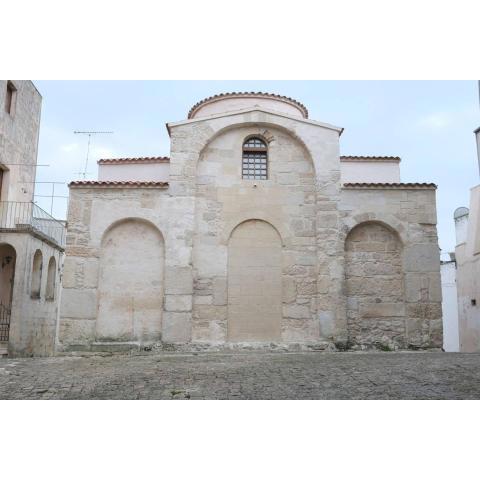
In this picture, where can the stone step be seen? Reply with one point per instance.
(3, 349)
(114, 346)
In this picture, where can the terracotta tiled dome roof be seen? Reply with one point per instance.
(299, 105)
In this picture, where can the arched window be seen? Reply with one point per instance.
(51, 278)
(254, 159)
(36, 274)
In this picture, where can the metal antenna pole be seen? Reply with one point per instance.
(86, 160)
(84, 173)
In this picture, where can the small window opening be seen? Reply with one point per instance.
(473, 301)
(10, 98)
(254, 159)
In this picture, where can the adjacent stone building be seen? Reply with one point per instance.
(254, 231)
(30, 239)
(467, 258)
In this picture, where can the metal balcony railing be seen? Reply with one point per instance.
(21, 216)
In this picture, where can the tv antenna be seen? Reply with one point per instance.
(84, 173)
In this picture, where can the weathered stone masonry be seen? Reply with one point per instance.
(392, 265)
(31, 241)
(208, 258)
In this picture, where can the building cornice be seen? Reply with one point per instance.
(170, 125)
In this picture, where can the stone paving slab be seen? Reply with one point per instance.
(252, 375)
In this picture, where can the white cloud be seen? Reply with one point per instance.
(70, 147)
(435, 121)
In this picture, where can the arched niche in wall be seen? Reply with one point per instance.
(131, 282)
(51, 279)
(37, 267)
(254, 283)
(375, 286)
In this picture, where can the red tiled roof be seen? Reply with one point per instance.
(248, 94)
(361, 158)
(391, 185)
(109, 183)
(107, 161)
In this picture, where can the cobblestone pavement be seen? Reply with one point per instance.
(252, 375)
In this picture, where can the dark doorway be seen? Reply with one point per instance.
(7, 278)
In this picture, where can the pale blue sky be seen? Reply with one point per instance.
(429, 124)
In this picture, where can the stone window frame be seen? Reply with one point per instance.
(254, 157)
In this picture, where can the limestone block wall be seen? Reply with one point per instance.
(130, 290)
(321, 144)
(285, 205)
(128, 274)
(205, 202)
(34, 318)
(254, 283)
(393, 233)
(19, 141)
(214, 258)
(374, 286)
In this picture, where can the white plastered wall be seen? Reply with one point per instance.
(234, 104)
(467, 254)
(449, 307)
(370, 172)
(125, 172)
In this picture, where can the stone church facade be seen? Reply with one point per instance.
(255, 231)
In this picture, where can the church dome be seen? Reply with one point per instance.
(229, 102)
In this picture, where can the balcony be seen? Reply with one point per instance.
(29, 217)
